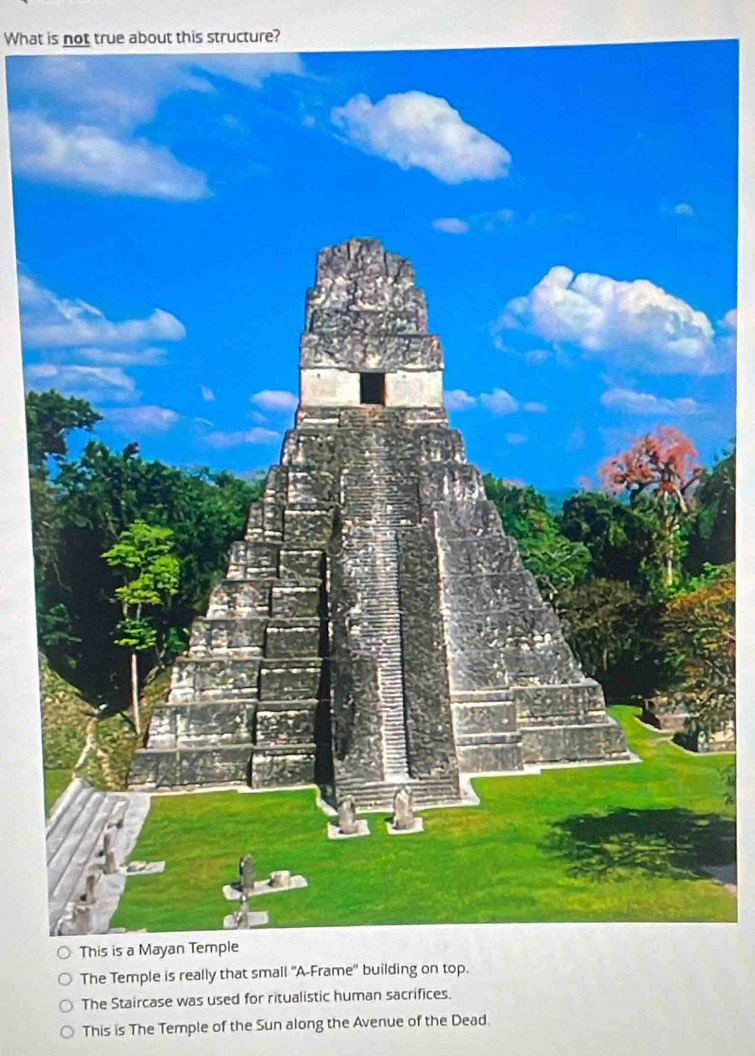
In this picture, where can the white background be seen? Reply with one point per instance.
(624, 989)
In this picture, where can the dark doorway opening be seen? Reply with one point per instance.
(372, 388)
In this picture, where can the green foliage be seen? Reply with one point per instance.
(699, 636)
(556, 561)
(93, 500)
(710, 532)
(621, 539)
(144, 555)
(50, 417)
(54, 628)
(613, 629)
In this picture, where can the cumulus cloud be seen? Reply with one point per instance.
(207, 394)
(275, 400)
(534, 408)
(147, 418)
(74, 121)
(416, 130)
(451, 225)
(635, 323)
(92, 158)
(516, 438)
(499, 402)
(49, 321)
(646, 404)
(257, 435)
(458, 400)
(90, 383)
(683, 209)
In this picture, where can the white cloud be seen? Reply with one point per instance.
(207, 394)
(416, 130)
(646, 404)
(683, 209)
(90, 383)
(499, 402)
(516, 438)
(534, 408)
(275, 400)
(88, 157)
(489, 221)
(250, 70)
(458, 400)
(536, 356)
(130, 357)
(634, 323)
(145, 419)
(49, 321)
(451, 225)
(729, 321)
(126, 91)
(242, 436)
(79, 117)
(500, 216)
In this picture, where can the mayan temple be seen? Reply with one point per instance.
(376, 627)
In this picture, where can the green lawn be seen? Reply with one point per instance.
(56, 780)
(611, 843)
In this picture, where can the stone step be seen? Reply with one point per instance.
(378, 796)
(65, 811)
(68, 837)
(78, 855)
(123, 814)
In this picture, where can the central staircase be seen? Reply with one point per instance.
(379, 497)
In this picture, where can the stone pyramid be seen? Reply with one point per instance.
(376, 626)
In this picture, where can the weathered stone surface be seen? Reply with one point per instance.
(403, 809)
(246, 874)
(347, 816)
(377, 629)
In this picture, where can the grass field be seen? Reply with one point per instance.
(630, 842)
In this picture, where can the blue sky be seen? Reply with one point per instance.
(571, 213)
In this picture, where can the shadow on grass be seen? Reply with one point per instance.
(675, 843)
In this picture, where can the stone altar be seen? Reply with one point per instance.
(376, 628)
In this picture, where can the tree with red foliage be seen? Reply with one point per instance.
(663, 465)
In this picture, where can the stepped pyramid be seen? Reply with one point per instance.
(376, 626)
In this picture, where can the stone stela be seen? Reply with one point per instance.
(376, 629)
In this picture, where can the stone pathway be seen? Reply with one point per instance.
(75, 837)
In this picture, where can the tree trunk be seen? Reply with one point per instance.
(135, 693)
(669, 569)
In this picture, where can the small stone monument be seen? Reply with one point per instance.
(246, 873)
(241, 919)
(280, 878)
(90, 892)
(403, 820)
(348, 822)
(81, 919)
(111, 862)
(347, 816)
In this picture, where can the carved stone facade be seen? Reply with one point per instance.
(376, 627)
